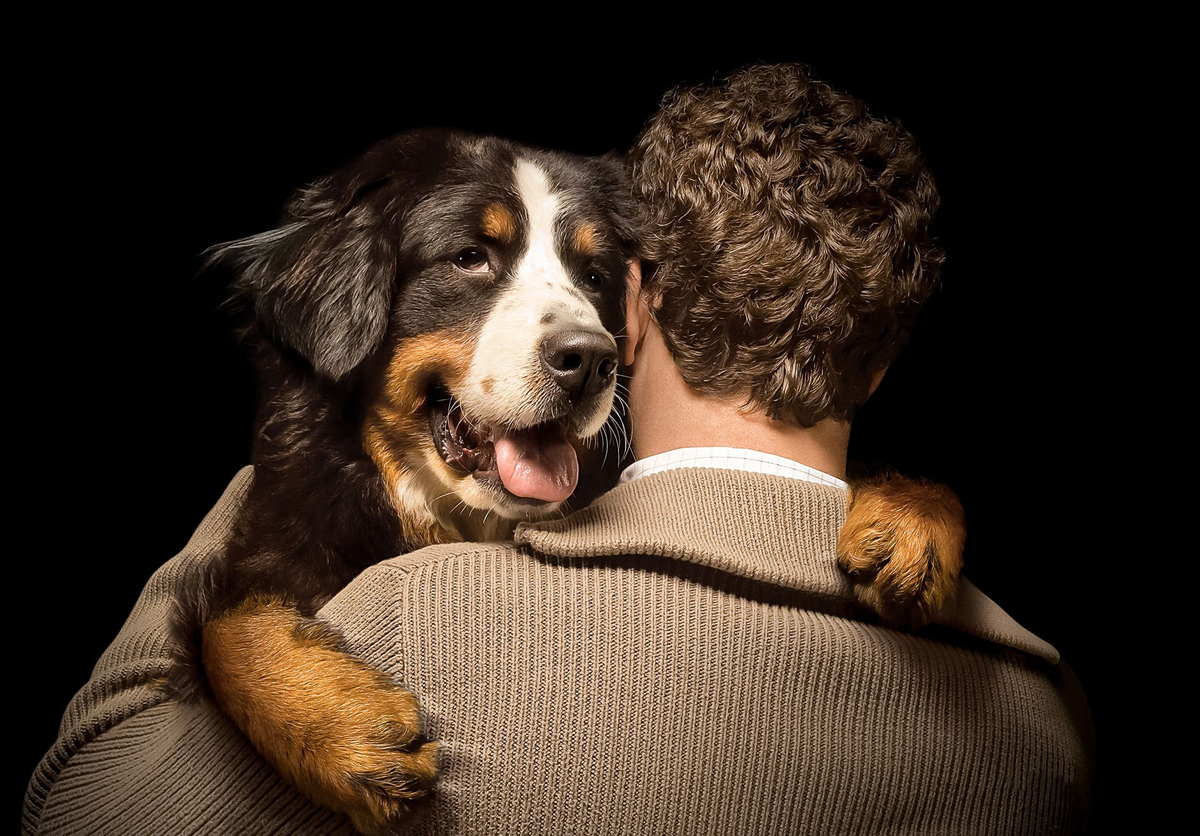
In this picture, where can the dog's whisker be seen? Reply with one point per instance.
(429, 504)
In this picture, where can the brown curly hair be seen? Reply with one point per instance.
(789, 246)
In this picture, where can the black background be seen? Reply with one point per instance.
(133, 403)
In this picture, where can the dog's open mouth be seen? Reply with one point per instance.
(534, 463)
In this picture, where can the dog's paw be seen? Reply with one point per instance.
(902, 547)
(390, 792)
(340, 731)
(378, 770)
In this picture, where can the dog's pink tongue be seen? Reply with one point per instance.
(537, 463)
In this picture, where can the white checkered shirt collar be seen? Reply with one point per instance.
(729, 458)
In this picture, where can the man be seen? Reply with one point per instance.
(683, 656)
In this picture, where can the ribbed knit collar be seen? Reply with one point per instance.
(767, 528)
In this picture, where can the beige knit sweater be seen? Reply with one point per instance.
(681, 657)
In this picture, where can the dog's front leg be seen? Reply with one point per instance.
(902, 545)
(339, 730)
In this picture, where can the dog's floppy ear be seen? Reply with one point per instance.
(615, 194)
(321, 284)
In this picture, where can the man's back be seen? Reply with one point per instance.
(653, 664)
(659, 663)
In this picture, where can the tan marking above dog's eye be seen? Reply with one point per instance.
(499, 223)
(586, 238)
(473, 260)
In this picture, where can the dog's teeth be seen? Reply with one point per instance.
(465, 433)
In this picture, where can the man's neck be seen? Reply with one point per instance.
(670, 415)
(707, 423)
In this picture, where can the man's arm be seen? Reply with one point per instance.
(130, 760)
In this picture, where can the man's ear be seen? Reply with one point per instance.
(637, 312)
(876, 380)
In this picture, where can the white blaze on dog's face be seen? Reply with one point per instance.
(502, 339)
(508, 381)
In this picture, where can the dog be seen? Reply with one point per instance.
(434, 330)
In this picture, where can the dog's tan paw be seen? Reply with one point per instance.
(902, 547)
(391, 792)
(340, 731)
(379, 770)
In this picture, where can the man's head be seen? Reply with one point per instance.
(788, 247)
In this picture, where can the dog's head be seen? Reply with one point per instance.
(465, 293)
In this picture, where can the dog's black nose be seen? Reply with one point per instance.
(581, 362)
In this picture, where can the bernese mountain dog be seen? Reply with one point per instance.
(434, 328)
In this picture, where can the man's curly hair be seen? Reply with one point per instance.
(789, 246)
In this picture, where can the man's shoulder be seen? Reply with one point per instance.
(449, 553)
(975, 614)
(446, 568)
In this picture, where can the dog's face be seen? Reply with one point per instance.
(467, 291)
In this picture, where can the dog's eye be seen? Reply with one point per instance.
(473, 260)
(594, 279)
